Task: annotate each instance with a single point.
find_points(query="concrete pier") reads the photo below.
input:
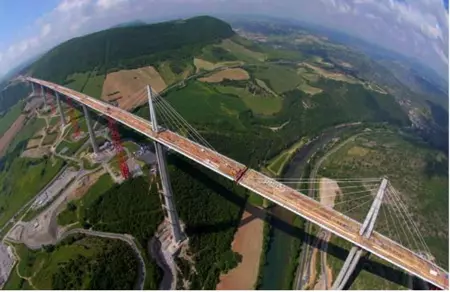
(90, 130)
(169, 204)
(61, 112)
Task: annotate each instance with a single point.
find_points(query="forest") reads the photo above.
(105, 50)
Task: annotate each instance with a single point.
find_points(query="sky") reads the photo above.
(416, 28)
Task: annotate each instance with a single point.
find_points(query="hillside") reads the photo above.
(129, 47)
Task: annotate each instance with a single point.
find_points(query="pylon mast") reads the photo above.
(169, 204)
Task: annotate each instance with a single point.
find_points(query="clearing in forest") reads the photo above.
(248, 243)
(123, 85)
(311, 90)
(10, 133)
(201, 64)
(231, 74)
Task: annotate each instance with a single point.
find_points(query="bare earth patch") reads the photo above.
(247, 242)
(37, 152)
(358, 151)
(33, 143)
(231, 74)
(10, 133)
(123, 86)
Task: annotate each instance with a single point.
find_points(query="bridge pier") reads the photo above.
(169, 204)
(43, 95)
(90, 130)
(33, 93)
(61, 112)
(366, 230)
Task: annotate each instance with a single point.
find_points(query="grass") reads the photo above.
(72, 147)
(258, 104)
(167, 74)
(419, 173)
(9, 117)
(31, 127)
(14, 282)
(94, 85)
(241, 52)
(50, 138)
(20, 186)
(277, 164)
(77, 81)
(200, 103)
(42, 265)
(103, 184)
(311, 90)
(279, 78)
(130, 145)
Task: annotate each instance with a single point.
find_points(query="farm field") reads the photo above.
(126, 86)
(230, 74)
(260, 105)
(279, 78)
(8, 119)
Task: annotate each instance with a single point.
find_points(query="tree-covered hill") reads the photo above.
(130, 47)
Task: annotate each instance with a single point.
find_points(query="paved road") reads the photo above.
(305, 257)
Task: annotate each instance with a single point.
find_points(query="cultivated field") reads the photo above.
(201, 64)
(231, 74)
(8, 136)
(248, 243)
(124, 85)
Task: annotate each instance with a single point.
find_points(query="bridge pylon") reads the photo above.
(61, 112)
(365, 231)
(43, 95)
(169, 204)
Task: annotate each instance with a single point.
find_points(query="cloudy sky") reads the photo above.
(416, 28)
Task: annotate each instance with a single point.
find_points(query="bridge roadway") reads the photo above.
(270, 189)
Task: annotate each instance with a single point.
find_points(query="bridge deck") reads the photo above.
(269, 188)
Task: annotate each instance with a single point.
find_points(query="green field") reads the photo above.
(94, 85)
(77, 81)
(258, 104)
(10, 116)
(417, 172)
(50, 138)
(279, 78)
(72, 147)
(28, 131)
(242, 53)
(72, 215)
(19, 186)
(200, 103)
(130, 145)
(14, 281)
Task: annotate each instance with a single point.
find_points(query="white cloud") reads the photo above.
(68, 5)
(46, 29)
(417, 28)
(108, 4)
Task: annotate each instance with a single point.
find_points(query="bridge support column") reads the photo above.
(365, 231)
(33, 93)
(169, 204)
(61, 112)
(43, 95)
(90, 130)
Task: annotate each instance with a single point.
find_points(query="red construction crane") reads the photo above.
(50, 101)
(73, 119)
(118, 147)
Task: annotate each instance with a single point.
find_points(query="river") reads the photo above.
(279, 251)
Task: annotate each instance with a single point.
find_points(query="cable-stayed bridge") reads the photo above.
(362, 235)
